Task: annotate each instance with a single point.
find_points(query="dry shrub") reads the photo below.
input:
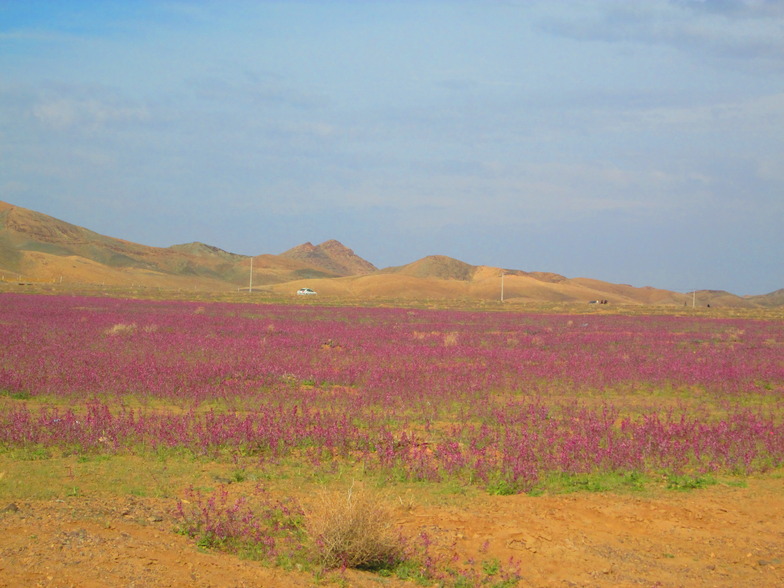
(353, 530)
(735, 335)
(450, 339)
(121, 328)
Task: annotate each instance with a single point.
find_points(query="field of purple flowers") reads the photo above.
(503, 400)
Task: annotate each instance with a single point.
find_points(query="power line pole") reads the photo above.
(250, 282)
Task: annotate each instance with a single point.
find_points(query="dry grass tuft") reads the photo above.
(121, 328)
(450, 339)
(353, 530)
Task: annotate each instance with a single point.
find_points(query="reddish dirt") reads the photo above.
(718, 536)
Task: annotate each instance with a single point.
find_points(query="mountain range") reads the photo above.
(35, 247)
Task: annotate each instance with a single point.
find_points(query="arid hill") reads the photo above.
(442, 278)
(436, 266)
(773, 299)
(35, 247)
(331, 256)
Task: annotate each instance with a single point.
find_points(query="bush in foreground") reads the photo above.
(336, 531)
(353, 530)
(343, 530)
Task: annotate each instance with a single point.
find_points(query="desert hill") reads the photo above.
(38, 247)
(331, 256)
(773, 299)
(441, 277)
(35, 247)
(41, 247)
(436, 266)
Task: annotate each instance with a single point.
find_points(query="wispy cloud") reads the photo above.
(35, 36)
(253, 87)
(729, 29)
(90, 114)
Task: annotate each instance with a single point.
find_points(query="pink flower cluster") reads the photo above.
(487, 397)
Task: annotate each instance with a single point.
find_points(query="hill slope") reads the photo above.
(37, 247)
(43, 248)
(331, 256)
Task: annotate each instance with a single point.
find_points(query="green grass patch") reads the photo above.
(619, 482)
(16, 394)
(689, 482)
(122, 475)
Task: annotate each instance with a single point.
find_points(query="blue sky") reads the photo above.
(632, 142)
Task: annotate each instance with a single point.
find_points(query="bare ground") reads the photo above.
(717, 536)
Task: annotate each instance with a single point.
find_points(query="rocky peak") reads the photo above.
(331, 256)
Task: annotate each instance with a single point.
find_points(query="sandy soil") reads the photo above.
(719, 536)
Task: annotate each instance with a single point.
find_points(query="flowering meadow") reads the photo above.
(502, 400)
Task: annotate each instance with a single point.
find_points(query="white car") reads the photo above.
(305, 291)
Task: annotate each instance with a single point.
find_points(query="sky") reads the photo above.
(636, 142)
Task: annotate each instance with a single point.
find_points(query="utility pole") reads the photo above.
(250, 282)
(502, 286)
